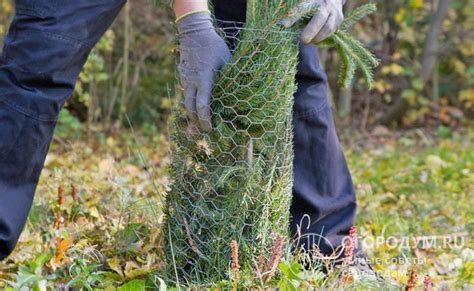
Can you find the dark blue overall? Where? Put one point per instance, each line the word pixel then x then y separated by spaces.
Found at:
pixel 46 48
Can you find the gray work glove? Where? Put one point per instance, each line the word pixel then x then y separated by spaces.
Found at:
pixel 326 21
pixel 203 54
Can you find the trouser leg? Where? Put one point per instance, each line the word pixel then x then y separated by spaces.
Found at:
pixel 324 202
pixel 45 50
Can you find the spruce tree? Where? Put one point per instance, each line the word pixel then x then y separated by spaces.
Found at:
pixel 235 182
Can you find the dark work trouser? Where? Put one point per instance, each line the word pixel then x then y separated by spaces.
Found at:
pixel 46 48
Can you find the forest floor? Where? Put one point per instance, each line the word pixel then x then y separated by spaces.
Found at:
pixel 96 218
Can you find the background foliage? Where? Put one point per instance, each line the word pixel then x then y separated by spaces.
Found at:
pixel 138 76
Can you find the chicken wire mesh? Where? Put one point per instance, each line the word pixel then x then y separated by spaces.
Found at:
pixel 234 182
pixel 232 185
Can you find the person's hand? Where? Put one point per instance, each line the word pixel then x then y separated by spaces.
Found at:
pixel 326 21
pixel 203 54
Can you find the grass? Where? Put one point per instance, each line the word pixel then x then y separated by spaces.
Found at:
pixel 417 186
pixel 95 220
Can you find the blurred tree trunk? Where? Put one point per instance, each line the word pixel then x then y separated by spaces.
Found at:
pixel 344 103
pixel 427 62
pixel 91 110
pixel 391 39
pixel 125 68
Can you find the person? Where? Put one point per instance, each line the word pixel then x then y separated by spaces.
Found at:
pixel 47 45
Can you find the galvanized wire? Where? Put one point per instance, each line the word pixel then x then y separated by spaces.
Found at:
pixel 234 182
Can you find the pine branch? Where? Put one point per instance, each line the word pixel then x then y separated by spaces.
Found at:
pixel 302 12
pixel 348 67
pixel 357 15
pixel 354 55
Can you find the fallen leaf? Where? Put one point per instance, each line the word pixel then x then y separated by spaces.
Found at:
pixel 107 167
pixel 435 162
pixel 134 285
pixel 114 264
pixel 61 249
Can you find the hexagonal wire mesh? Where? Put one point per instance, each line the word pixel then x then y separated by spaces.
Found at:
pixel 235 181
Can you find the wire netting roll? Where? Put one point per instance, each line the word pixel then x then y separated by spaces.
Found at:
pixel 235 181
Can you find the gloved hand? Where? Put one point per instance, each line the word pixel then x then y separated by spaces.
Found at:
pixel 326 21
pixel 203 54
